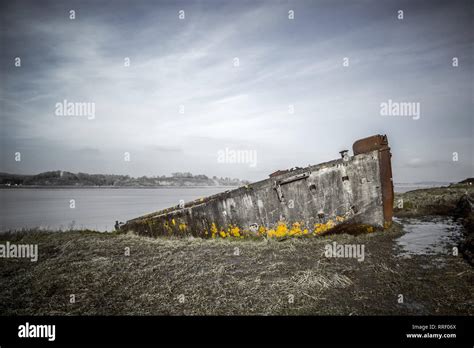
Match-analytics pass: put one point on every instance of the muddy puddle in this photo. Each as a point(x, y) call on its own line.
point(430, 235)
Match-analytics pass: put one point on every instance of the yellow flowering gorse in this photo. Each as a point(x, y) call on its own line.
point(281, 230)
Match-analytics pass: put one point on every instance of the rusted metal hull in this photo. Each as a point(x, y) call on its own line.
point(380, 143)
point(352, 190)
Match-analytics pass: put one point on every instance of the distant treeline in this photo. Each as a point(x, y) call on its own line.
point(62, 178)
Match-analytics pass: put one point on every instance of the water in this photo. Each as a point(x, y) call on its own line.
point(98, 208)
point(95, 208)
point(428, 236)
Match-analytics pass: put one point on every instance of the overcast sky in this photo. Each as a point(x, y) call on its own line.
point(190, 62)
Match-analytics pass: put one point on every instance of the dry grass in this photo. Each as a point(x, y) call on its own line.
point(267, 277)
point(433, 201)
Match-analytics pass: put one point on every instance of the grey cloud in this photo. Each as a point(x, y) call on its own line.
point(189, 63)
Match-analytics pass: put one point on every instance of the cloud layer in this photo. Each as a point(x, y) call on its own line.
point(182, 99)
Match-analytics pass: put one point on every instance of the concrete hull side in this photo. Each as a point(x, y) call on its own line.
point(341, 191)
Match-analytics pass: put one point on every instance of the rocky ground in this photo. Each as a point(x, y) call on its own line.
point(193, 276)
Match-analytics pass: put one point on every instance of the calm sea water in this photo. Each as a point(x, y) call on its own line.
point(95, 208)
point(429, 235)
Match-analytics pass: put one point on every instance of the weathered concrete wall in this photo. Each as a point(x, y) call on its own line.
point(347, 190)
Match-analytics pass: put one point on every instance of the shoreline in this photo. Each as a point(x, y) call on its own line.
point(230, 187)
point(126, 274)
point(108, 187)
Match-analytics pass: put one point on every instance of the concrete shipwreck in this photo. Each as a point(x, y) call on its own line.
point(350, 192)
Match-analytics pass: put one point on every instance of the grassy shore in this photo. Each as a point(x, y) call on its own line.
point(432, 201)
point(192, 276)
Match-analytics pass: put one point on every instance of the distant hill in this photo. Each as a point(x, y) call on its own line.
point(424, 183)
point(63, 178)
point(469, 181)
